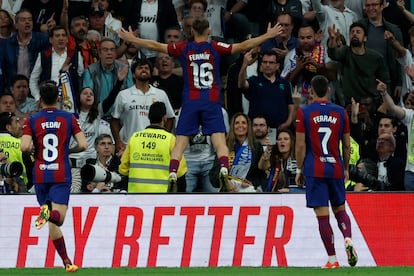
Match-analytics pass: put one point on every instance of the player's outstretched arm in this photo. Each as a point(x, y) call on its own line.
point(250, 43)
point(153, 45)
point(26, 144)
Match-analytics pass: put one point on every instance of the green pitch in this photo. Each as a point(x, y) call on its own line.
point(239, 271)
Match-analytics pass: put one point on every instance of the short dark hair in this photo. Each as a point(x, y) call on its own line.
point(360, 25)
point(19, 77)
point(156, 112)
point(57, 28)
point(319, 85)
point(5, 119)
point(200, 25)
point(393, 119)
point(48, 92)
point(139, 62)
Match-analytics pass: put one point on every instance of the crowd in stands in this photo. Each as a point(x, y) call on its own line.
point(365, 48)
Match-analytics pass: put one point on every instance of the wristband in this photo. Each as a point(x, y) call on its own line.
point(298, 171)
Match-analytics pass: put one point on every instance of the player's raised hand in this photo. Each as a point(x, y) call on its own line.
point(275, 30)
point(127, 35)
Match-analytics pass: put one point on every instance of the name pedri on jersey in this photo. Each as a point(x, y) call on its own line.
point(201, 73)
point(51, 130)
point(323, 123)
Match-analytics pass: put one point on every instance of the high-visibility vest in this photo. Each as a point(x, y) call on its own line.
point(146, 161)
point(11, 147)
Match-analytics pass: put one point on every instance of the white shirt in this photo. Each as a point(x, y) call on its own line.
point(57, 62)
point(148, 28)
point(408, 121)
point(406, 60)
point(12, 6)
point(131, 107)
point(112, 26)
point(328, 16)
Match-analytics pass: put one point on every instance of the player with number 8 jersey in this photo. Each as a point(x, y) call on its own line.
point(49, 131)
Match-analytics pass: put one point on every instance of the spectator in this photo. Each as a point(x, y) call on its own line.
point(360, 65)
point(112, 25)
point(53, 63)
point(404, 58)
point(406, 116)
point(78, 8)
point(12, 7)
point(334, 14)
point(246, 159)
point(306, 61)
point(20, 91)
point(168, 81)
point(173, 35)
point(282, 170)
point(198, 8)
point(151, 17)
point(186, 26)
point(10, 134)
point(91, 126)
point(105, 76)
point(7, 103)
point(270, 8)
point(237, 25)
point(235, 100)
point(22, 48)
point(78, 40)
point(267, 93)
point(261, 132)
point(390, 172)
point(375, 26)
point(6, 25)
point(149, 172)
point(356, 6)
point(106, 159)
point(46, 13)
point(131, 106)
point(285, 42)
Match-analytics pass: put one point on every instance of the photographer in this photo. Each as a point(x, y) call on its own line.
point(106, 160)
point(9, 184)
point(387, 174)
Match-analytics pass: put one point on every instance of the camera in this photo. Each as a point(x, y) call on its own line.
point(365, 178)
point(11, 169)
point(95, 173)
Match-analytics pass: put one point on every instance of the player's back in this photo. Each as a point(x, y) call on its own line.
point(200, 63)
point(51, 132)
point(325, 123)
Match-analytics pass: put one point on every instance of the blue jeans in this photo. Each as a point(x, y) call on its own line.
point(197, 177)
point(409, 181)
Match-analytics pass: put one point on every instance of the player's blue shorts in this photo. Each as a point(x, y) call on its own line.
point(319, 191)
point(53, 192)
point(195, 113)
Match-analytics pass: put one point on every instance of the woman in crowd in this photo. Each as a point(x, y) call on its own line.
point(282, 169)
point(246, 159)
point(91, 125)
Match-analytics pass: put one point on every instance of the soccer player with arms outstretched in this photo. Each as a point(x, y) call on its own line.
point(320, 126)
point(49, 131)
point(201, 104)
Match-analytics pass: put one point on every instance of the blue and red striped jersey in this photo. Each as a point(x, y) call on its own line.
point(51, 130)
point(324, 124)
point(200, 63)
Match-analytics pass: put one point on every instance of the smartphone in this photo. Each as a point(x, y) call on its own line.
point(272, 135)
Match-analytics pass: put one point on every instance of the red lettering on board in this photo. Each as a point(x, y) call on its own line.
point(218, 213)
point(191, 213)
point(121, 239)
point(25, 239)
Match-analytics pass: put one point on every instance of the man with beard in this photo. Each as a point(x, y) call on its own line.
point(361, 65)
point(78, 30)
point(306, 61)
point(131, 106)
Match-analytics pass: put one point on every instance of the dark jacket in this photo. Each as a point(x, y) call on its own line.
point(10, 52)
point(394, 67)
